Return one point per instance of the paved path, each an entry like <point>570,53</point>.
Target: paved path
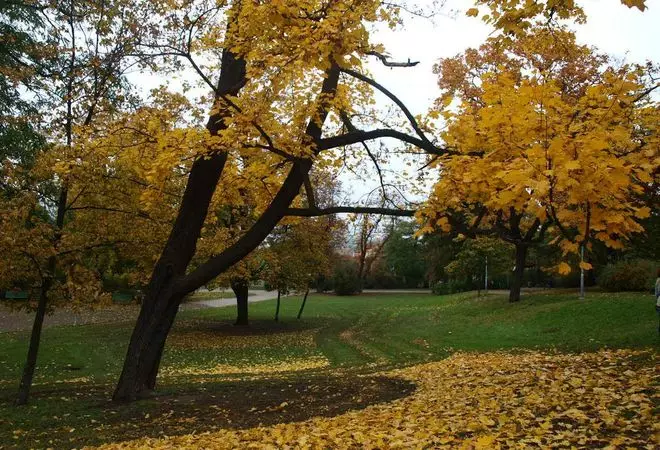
<point>253,297</point>
<point>260,296</point>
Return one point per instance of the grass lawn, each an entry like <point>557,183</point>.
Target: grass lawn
<point>214,375</point>
<point>214,295</point>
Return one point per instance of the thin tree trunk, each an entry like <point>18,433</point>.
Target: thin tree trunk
<point>302,306</point>
<point>33,349</point>
<point>47,280</point>
<point>518,273</point>
<point>240,288</point>
<point>277,308</point>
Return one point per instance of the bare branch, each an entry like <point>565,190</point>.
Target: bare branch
<point>385,60</point>
<point>314,212</point>
<point>394,98</point>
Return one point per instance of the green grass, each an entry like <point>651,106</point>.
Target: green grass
<point>215,295</point>
<point>356,334</point>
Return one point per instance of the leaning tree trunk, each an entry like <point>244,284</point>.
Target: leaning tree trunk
<point>161,301</point>
<point>35,339</point>
<point>518,272</point>
<point>277,308</point>
<point>302,306</point>
<point>169,281</point>
<point>240,288</point>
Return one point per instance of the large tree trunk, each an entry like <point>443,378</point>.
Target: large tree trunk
<point>169,282</point>
<point>161,301</point>
<point>240,288</point>
<point>518,272</point>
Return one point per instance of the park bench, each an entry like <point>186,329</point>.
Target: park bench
<point>17,295</point>
<point>122,298</point>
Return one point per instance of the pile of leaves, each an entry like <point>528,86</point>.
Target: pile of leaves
<point>488,400</point>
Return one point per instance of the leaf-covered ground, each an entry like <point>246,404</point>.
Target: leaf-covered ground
<point>337,358</point>
<point>488,401</point>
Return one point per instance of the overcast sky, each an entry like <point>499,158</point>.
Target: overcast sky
<point>613,28</point>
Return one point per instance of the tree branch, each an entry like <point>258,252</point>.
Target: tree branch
<point>314,212</point>
<point>386,62</point>
<point>394,98</point>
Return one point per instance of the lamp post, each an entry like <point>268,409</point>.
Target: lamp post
<point>486,278</point>
<point>582,272</point>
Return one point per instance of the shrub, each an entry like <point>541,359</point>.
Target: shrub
<point>632,275</point>
<point>452,287</point>
<point>346,280</point>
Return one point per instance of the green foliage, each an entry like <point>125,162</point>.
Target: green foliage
<point>453,286</point>
<point>471,259</point>
<point>346,279</point>
<point>403,256</point>
<point>629,275</point>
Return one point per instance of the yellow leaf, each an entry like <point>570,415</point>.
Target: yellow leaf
<point>585,265</point>
<point>485,442</point>
<point>472,12</point>
<point>564,269</point>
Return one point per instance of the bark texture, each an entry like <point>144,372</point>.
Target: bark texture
<point>240,288</point>
<point>518,272</point>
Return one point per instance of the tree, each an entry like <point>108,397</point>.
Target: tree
<point>481,254</point>
<point>277,87</point>
<point>403,255</point>
<point>370,241</point>
<point>546,134</point>
<point>72,65</point>
<point>239,118</point>
<point>298,252</point>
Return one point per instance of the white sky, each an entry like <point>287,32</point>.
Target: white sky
<point>613,28</point>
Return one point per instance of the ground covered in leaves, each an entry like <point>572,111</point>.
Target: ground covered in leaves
<point>488,401</point>
<point>344,355</point>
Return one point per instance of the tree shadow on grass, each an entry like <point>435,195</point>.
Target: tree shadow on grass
<point>257,327</point>
<point>200,406</point>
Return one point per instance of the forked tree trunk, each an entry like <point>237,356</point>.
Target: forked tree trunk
<point>518,273</point>
<point>240,288</point>
<point>277,308</point>
<point>302,306</point>
<point>169,281</point>
<point>161,301</point>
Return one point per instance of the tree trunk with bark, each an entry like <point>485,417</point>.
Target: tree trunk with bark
<point>162,297</point>
<point>518,272</point>
<point>33,349</point>
<point>277,308</point>
<point>302,306</point>
<point>169,281</point>
<point>240,288</point>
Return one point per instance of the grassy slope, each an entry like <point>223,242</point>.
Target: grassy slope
<point>399,328</point>
<point>361,332</point>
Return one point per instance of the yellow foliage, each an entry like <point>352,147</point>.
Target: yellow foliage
<point>563,268</point>
<point>548,133</point>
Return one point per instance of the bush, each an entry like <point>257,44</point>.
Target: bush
<point>452,287</point>
<point>346,280</point>
<point>633,275</point>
